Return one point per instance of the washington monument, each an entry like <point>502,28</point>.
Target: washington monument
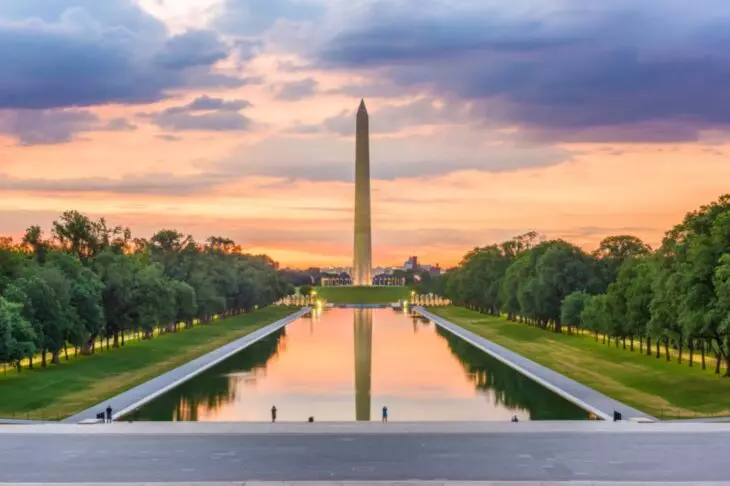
<point>362,255</point>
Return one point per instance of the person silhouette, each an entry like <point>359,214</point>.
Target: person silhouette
<point>108,414</point>
<point>273,414</point>
<point>385,414</point>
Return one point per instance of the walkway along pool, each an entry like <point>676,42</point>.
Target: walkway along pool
<point>346,364</point>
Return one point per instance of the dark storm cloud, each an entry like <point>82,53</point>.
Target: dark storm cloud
<point>62,53</point>
<point>194,48</point>
<point>556,68</point>
<point>44,127</point>
<point>203,113</point>
<point>253,17</point>
<point>295,90</point>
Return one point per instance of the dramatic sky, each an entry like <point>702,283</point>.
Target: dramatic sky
<point>575,118</point>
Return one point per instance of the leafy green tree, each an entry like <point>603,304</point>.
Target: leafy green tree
<point>613,251</point>
<point>33,239</point>
<point>185,302</point>
<point>16,334</point>
<point>74,232</point>
<point>12,265</point>
<point>42,309</point>
<point>594,315</point>
<point>118,275</point>
<point>86,311</point>
<point>509,291</point>
<point>722,306</point>
<point>636,277</point>
<point>571,311</point>
<point>484,269</point>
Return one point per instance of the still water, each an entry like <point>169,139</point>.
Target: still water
<point>346,364</point>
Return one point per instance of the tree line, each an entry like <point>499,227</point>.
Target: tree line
<point>676,297</point>
<point>90,282</point>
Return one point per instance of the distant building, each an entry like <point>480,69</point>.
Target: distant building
<point>433,270</point>
<point>387,280</point>
<point>411,264</point>
<point>337,270</point>
<point>336,281</point>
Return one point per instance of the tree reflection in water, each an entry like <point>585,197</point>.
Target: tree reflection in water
<point>215,387</point>
<point>508,387</point>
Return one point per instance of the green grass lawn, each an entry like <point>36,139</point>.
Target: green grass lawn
<point>363,295</point>
<point>62,390</point>
<point>664,390</point>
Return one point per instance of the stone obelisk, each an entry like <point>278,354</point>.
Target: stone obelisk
<point>362,255</point>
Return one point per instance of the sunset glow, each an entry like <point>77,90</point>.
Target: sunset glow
<point>453,167</point>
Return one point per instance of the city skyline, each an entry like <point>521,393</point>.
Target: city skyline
<point>215,118</point>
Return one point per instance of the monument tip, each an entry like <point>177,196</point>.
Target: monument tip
<point>362,106</point>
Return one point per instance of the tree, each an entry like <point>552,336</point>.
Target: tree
<point>594,315</point>
<point>86,313</point>
<point>33,239</point>
<point>613,251</point>
<point>16,334</point>
<point>12,265</point>
<point>118,275</point>
<point>75,233</point>
<point>722,306</point>
<point>639,275</point>
<point>484,269</point>
<point>43,310</point>
<point>185,302</point>
<point>516,273</point>
<point>571,310</point>
<point>555,269</point>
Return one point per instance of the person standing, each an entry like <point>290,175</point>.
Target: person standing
<point>273,414</point>
<point>108,414</point>
<point>385,415</point>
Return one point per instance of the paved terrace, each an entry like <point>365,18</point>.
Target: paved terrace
<point>132,399</point>
<point>583,396</point>
<point>385,483</point>
<point>499,451</point>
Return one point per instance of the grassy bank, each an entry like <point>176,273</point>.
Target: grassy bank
<point>61,390</point>
<point>363,295</point>
<point>665,390</point>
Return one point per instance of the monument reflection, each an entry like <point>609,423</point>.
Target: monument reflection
<point>363,331</point>
<point>341,364</point>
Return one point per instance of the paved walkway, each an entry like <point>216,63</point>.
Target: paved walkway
<point>78,458</point>
<point>132,399</point>
<point>583,396</point>
<point>531,427</point>
<point>388,483</point>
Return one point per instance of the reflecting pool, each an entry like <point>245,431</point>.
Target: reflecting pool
<point>346,364</point>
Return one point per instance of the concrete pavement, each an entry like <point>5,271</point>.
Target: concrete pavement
<point>130,400</point>
<point>389,483</point>
<point>567,427</point>
<point>583,396</point>
<point>661,456</point>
